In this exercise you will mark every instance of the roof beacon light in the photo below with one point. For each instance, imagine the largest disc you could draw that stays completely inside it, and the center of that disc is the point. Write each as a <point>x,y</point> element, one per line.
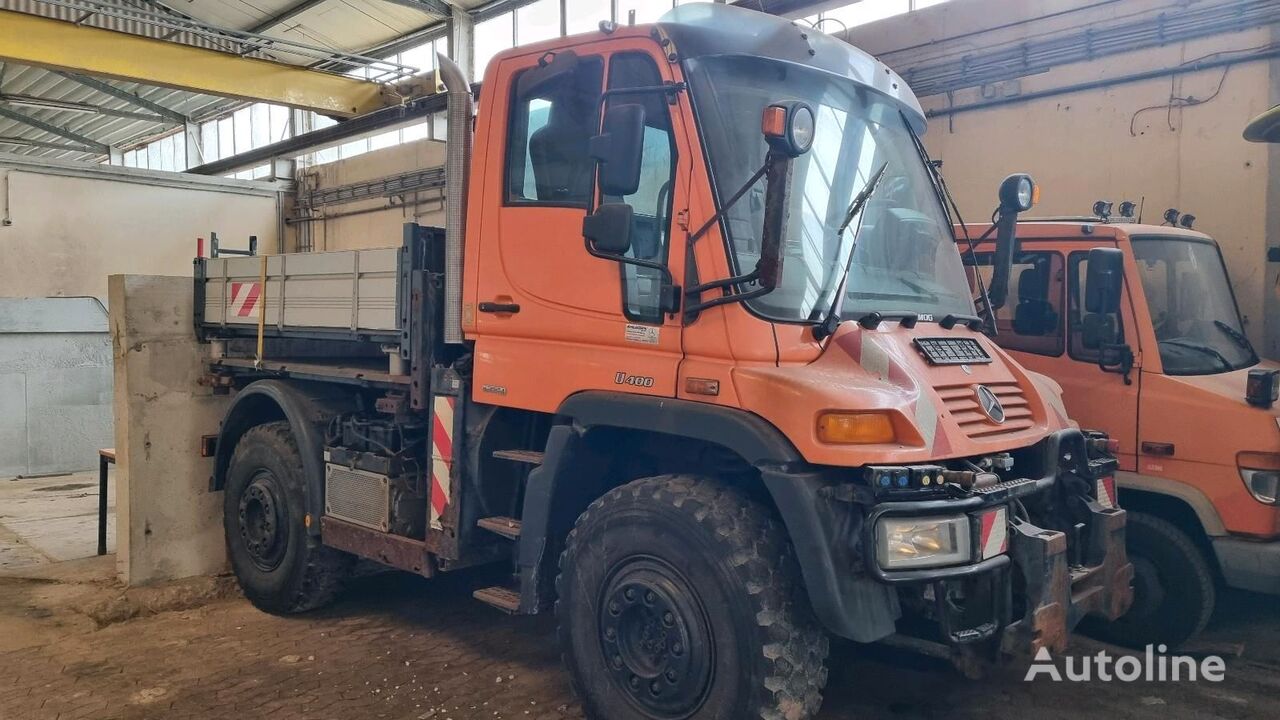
<point>1127,208</point>
<point>1171,216</point>
<point>1187,221</point>
<point>1102,209</point>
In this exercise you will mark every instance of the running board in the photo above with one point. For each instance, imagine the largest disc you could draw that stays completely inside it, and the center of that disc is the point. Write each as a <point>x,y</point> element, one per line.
<point>532,457</point>
<point>506,527</point>
<point>505,599</point>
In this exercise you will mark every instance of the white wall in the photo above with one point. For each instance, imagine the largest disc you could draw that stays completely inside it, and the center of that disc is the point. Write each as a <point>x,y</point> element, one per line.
<point>65,226</point>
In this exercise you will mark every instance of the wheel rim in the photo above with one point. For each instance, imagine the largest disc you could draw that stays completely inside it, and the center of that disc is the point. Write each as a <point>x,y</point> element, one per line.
<point>1148,590</point>
<point>262,522</point>
<point>656,638</point>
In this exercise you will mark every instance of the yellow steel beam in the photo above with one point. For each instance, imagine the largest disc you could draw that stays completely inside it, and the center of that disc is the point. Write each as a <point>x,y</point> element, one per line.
<point>55,44</point>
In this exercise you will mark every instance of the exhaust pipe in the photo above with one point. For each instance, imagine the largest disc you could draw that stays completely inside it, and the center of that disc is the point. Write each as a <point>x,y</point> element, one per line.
<point>457,167</point>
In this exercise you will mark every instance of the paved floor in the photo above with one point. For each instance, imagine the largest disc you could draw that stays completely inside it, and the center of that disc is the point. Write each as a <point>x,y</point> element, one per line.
<point>51,519</point>
<point>404,648</point>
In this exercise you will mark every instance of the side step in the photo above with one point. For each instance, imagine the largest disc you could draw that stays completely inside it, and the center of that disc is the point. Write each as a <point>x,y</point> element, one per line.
<point>532,457</point>
<point>506,527</point>
<point>503,598</point>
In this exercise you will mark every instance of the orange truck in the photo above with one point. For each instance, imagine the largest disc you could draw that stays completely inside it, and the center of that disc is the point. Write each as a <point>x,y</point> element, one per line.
<point>1168,373</point>
<point>693,360</point>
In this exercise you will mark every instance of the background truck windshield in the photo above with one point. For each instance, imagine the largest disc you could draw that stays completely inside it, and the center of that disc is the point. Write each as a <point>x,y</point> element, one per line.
<point>1194,314</point>
<point>906,259</point>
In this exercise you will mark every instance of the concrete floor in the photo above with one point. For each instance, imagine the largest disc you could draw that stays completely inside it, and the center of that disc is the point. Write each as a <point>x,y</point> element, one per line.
<point>75,644</point>
<point>52,519</point>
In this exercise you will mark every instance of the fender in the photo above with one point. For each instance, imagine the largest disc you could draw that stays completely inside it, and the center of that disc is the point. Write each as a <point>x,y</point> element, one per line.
<point>306,406</point>
<point>848,604</point>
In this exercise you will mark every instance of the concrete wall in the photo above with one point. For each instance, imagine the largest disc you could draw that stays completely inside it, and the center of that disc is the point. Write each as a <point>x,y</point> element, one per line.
<point>169,525</point>
<point>55,385</point>
<point>66,226</point>
<point>375,222</point>
<point>1115,142</point>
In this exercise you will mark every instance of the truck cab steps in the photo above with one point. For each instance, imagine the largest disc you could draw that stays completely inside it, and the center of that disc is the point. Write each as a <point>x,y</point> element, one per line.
<point>505,599</point>
<point>532,457</point>
<point>506,527</point>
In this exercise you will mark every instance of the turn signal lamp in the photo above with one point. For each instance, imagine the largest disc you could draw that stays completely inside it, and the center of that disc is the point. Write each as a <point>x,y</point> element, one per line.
<point>1262,389</point>
<point>788,127</point>
<point>850,428</point>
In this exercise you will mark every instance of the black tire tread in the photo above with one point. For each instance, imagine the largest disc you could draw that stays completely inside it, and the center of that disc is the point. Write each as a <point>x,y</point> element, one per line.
<point>757,547</point>
<point>324,568</point>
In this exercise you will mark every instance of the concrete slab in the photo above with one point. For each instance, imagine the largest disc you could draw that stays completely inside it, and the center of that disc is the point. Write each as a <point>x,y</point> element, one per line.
<point>170,523</point>
<point>52,519</point>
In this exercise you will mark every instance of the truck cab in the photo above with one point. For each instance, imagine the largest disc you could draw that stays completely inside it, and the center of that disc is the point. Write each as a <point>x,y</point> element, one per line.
<point>1172,377</point>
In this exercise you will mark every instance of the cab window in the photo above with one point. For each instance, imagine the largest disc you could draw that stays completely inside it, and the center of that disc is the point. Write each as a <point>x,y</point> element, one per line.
<point>651,202</point>
<point>548,162</point>
<point>1032,318</point>
<point>1086,331</point>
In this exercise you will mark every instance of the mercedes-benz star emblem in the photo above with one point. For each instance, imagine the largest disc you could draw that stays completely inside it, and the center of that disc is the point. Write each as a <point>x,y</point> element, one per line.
<point>990,404</point>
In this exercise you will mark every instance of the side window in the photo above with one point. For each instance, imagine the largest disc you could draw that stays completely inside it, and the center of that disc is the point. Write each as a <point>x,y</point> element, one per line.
<point>548,161</point>
<point>651,202</point>
<point>1032,318</point>
<point>1086,330</point>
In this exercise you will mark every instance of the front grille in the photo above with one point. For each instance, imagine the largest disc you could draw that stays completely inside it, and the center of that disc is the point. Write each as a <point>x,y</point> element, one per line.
<point>356,496</point>
<point>961,403</point>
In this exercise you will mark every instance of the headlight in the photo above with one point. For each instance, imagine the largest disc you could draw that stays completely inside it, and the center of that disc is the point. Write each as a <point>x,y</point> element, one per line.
<point>903,543</point>
<point>1263,485</point>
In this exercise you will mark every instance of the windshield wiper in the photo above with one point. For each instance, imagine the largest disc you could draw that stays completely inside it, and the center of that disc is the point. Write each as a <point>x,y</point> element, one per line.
<point>831,320</point>
<point>1206,349</point>
<point>1235,335</point>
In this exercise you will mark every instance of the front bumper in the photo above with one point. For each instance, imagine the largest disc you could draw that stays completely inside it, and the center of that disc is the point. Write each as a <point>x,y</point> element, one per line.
<point>1249,565</point>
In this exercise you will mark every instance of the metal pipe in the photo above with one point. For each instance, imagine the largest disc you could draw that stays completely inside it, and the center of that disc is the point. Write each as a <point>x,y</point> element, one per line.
<point>457,168</point>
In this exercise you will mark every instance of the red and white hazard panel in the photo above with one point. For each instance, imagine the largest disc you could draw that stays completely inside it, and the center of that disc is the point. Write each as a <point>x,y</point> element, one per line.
<point>441,456</point>
<point>995,532</point>
<point>246,299</point>
<point>1107,492</point>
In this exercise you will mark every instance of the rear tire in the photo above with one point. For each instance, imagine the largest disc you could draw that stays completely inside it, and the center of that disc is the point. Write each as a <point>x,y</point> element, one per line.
<point>678,597</point>
<point>280,568</point>
<point>1174,591</point>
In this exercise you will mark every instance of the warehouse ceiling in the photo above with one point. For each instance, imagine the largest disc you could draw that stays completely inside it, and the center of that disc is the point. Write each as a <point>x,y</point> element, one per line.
<point>63,115</point>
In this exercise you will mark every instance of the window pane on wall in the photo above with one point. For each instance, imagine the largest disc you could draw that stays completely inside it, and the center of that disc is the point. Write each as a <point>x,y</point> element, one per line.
<point>243,129</point>
<point>167,161</point>
<point>259,124</point>
<point>419,131</point>
<point>130,159</point>
<point>867,11</point>
<point>325,156</point>
<point>384,140</point>
<point>279,123</point>
<point>153,157</point>
<point>422,57</point>
<point>538,21</point>
<point>647,11</point>
<point>492,37</point>
<point>226,138</point>
<point>208,142</point>
<point>584,16</point>
<point>928,3</point>
<point>180,152</point>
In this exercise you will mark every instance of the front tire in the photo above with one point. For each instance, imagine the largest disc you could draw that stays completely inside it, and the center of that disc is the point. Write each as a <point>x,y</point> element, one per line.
<point>279,567</point>
<point>678,597</point>
<point>1174,591</point>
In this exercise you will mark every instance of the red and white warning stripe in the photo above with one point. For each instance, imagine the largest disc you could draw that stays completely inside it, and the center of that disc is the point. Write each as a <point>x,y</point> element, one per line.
<point>245,297</point>
<point>995,532</point>
<point>1107,492</point>
<point>441,457</point>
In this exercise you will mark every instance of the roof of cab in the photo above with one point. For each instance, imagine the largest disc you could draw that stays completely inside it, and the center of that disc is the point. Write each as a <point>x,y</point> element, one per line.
<point>1087,228</point>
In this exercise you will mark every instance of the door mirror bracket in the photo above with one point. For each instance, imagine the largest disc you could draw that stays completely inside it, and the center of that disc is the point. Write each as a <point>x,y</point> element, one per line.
<point>1116,358</point>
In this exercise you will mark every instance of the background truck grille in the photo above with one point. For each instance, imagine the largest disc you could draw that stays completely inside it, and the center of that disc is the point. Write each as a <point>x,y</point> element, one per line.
<point>961,402</point>
<point>359,497</point>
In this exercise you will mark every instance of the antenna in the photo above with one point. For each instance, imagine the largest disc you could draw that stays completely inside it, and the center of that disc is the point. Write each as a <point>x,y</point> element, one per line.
<point>1141,201</point>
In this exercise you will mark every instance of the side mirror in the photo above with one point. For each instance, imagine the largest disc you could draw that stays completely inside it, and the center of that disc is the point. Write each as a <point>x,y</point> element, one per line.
<point>608,229</point>
<point>619,149</point>
<point>1018,193</point>
<point>1104,281</point>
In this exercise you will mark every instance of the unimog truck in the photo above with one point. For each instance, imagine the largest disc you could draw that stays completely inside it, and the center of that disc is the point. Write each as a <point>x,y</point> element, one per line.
<point>694,358</point>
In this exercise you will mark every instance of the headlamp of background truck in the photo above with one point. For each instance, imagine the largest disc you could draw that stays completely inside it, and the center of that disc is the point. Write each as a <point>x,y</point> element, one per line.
<point>1262,388</point>
<point>1260,472</point>
<point>904,543</point>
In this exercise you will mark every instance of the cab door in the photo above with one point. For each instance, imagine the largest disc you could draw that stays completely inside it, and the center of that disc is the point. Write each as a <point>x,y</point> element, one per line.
<point>552,319</point>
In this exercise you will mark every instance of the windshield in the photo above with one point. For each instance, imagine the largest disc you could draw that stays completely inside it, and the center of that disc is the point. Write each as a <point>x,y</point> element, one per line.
<point>1192,309</point>
<point>906,259</point>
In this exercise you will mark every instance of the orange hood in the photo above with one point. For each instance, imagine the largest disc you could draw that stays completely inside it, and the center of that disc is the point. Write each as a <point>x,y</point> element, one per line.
<point>934,408</point>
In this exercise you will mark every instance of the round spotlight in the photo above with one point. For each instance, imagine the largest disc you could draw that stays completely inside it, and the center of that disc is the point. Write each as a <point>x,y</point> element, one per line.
<point>1018,193</point>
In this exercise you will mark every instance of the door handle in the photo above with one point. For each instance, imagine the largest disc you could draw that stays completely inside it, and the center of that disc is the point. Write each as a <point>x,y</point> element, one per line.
<point>495,307</point>
<point>1157,448</point>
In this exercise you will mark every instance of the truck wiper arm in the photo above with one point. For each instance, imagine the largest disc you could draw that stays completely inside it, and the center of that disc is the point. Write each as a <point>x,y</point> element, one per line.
<point>831,320</point>
<point>1235,335</point>
<point>1199,347</point>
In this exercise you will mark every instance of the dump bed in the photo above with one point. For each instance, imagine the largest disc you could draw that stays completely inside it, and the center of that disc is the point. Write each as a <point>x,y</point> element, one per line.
<point>345,292</point>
